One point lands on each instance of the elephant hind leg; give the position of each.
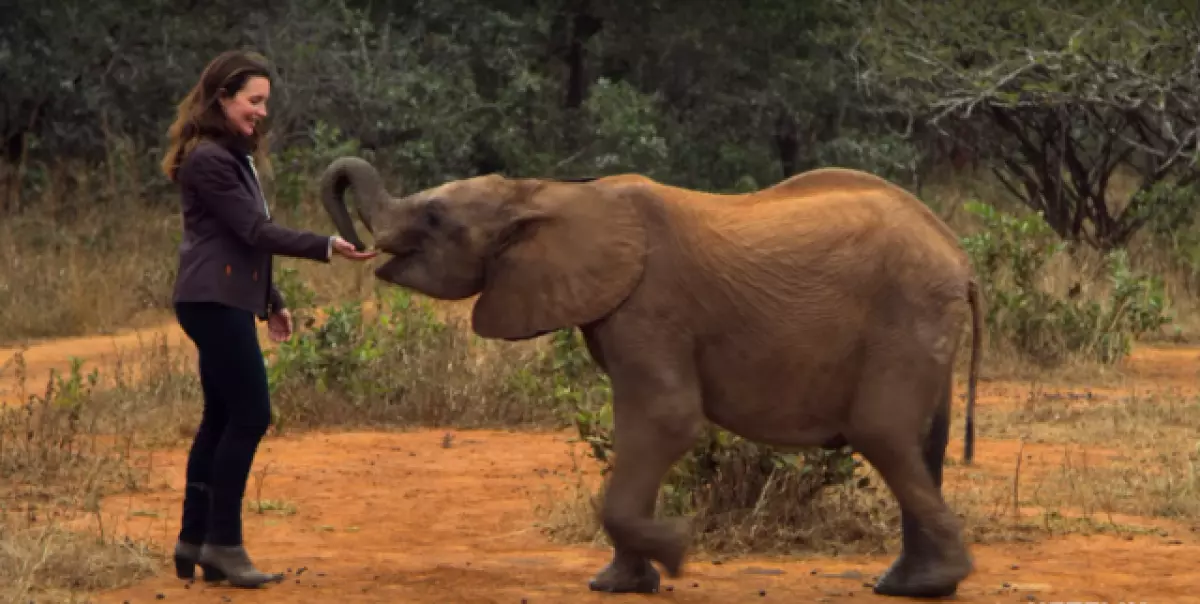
(655, 421)
(917, 544)
(934, 559)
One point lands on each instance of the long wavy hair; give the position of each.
(199, 115)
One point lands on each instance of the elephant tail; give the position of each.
(974, 297)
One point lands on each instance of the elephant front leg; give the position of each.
(655, 421)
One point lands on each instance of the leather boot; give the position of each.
(231, 562)
(186, 556)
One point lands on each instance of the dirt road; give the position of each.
(402, 518)
(405, 518)
(42, 357)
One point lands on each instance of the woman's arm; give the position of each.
(220, 191)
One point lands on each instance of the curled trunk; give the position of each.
(370, 194)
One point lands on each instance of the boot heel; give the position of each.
(185, 568)
(212, 574)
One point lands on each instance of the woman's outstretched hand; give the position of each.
(346, 249)
(279, 326)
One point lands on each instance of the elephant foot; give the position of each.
(673, 549)
(617, 578)
(923, 576)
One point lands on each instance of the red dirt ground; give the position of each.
(402, 518)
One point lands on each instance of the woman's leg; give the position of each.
(197, 497)
(234, 377)
(242, 384)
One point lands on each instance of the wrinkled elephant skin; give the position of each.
(827, 308)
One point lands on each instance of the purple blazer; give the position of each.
(228, 237)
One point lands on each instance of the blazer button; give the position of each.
(228, 270)
(254, 276)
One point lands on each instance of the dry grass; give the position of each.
(86, 435)
(69, 273)
(405, 364)
(96, 269)
(49, 563)
(69, 446)
(1090, 474)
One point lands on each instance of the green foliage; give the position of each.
(1011, 255)
(708, 95)
(1057, 105)
(297, 166)
(392, 360)
(886, 155)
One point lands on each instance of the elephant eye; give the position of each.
(433, 214)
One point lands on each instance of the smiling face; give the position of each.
(248, 106)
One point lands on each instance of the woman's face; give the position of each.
(246, 108)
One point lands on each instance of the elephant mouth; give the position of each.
(402, 255)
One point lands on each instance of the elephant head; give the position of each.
(541, 255)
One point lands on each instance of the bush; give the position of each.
(1011, 255)
(404, 365)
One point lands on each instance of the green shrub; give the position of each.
(402, 366)
(1011, 255)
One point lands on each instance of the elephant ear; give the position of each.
(570, 255)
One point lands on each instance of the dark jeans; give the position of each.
(237, 412)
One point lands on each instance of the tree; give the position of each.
(1061, 96)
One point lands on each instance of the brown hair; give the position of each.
(200, 116)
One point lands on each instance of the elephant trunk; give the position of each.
(372, 197)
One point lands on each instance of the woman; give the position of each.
(224, 282)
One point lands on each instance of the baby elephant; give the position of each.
(827, 308)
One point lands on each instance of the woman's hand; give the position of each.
(279, 326)
(346, 249)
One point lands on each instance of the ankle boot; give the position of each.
(231, 562)
(187, 556)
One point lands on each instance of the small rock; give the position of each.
(762, 593)
(670, 588)
(1016, 567)
(320, 574)
(160, 596)
(695, 584)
